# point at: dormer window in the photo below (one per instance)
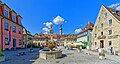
(6, 13)
(13, 18)
(19, 21)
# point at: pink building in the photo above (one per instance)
(10, 28)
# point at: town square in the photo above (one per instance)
(59, 32)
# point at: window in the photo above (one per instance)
(6, 25)
(101, 33)
(19, 30)
(95, 43)
(6, 13)
(95, 27)
(110, 32)
(99, 19)
(110, 43)
(19, 21)
(14, 28)
(6, 41)
(102, 25)
(95, 35)
(105, 15)
(20, 43)
(88, 38)
(110, 21)
(13, 17)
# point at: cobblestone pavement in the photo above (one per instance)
(13, 57)
(74, 57)
(70, 57)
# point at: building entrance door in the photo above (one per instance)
(14, 43)
(101, 44)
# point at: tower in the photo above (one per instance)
(61, 29)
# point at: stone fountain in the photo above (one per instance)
(50, 54)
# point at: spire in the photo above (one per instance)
(61, 29)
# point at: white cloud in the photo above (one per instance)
(58, 20)
(118, 8)
(45, 32)
(115, 6)
(78, 30)
(46, 29)
(47, 24)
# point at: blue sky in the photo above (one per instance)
(76, 13)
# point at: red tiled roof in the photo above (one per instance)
(47, 36)
(89, 26)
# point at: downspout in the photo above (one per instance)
(2, 33)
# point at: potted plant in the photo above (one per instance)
(78, 48)
(101, 56)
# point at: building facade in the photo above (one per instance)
(86, 34)
(68, 39)
(106, 33)
(10, 28)
(41, 39)
(27, 38)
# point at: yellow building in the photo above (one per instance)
(106, 32)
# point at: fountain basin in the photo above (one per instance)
(50, 54)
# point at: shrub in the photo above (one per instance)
(78, 46)
(101, 54)
(51, 45)
(1, 53)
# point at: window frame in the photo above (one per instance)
(19, 30)
(14, 17)
(14, 28)
(6, 41)
(110, 32)
(105, 15)
(6, 12)
(110, 21)
(19, 21)
(6, 26)
(110, 43)
(102, 33)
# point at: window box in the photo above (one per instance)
(101, 37)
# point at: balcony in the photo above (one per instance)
(101, 37)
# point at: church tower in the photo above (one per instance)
(61, 29)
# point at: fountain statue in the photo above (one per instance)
(54, 54)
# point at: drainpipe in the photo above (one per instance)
(2, 33)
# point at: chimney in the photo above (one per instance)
(118, 13)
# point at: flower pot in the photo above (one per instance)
(78, 50)
(101, 57)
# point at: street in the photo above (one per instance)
(69, 57)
